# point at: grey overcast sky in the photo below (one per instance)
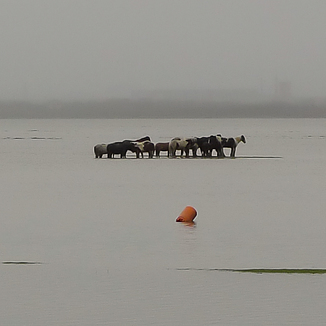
(96, 49)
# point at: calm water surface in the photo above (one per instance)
(105, 232)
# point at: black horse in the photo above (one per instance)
(233, 143)
(121, 148)
(208, 144)
(204, 146)
(216, 142)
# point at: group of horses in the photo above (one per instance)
(206, 145)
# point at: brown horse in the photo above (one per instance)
(137, 141)
(145, 147)
(161, 147)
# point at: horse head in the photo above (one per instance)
(139, 145)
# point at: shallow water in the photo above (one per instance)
(105, 232)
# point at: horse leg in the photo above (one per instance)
(233, 152)
(139, 153)
(172, 150)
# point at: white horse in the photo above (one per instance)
(184, 145)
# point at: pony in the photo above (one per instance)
(233, 143)
(140, 140)
(121, 147)
(216, 142)
(184, 145)
(204, 146)
(147, 147)
(100, 150)
(161, 147)
(208, 144)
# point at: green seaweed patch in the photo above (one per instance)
(281, 270)
(262, 270)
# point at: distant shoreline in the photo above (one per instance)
(160, 109)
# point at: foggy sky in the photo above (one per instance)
(98, 49)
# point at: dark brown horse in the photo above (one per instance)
(161, 147)
(138, 141)
(145, 147)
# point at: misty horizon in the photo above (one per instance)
(158, 107)
(105, 49)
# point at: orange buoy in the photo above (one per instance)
(187, 215)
